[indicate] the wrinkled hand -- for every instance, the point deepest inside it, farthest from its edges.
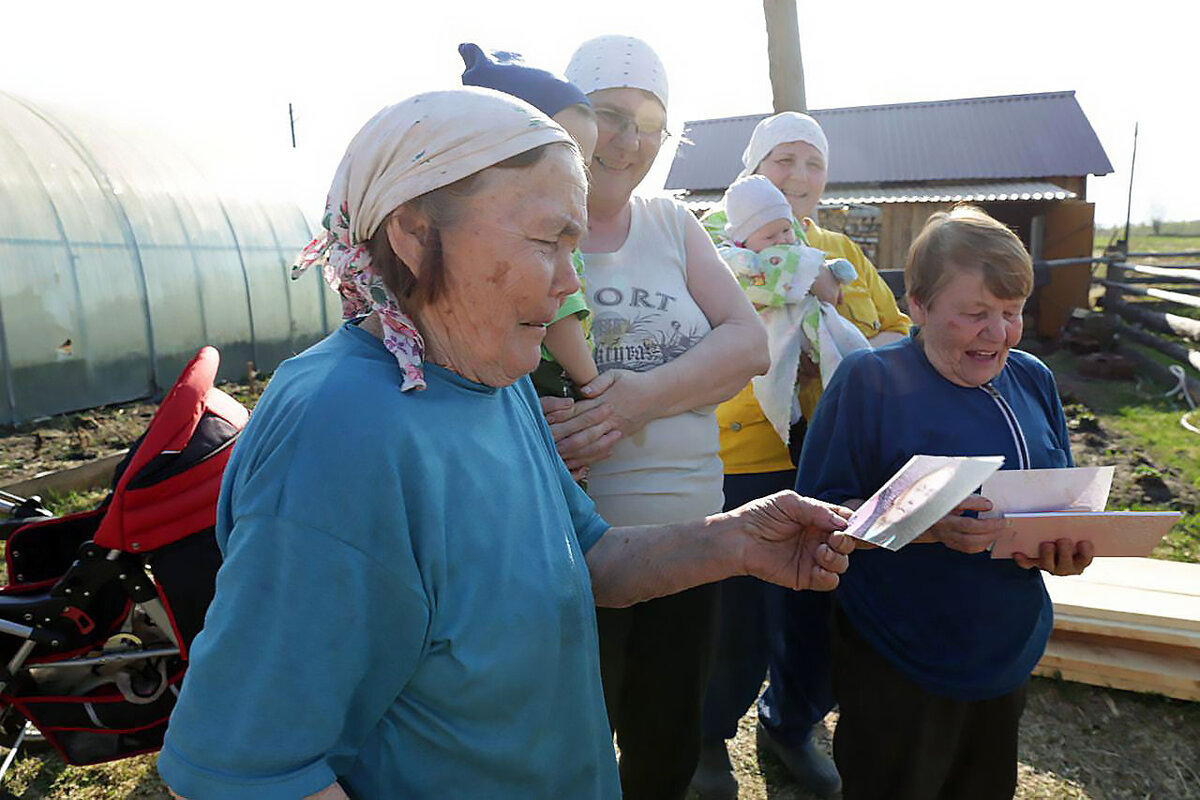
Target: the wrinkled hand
(826, 287)
(629, 394)
(794, 541)
(584, 432)
(1062, 557)
(966, 534)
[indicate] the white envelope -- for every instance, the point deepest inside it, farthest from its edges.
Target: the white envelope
(1018, 491)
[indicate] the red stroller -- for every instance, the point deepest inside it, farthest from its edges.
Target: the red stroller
(101, 606)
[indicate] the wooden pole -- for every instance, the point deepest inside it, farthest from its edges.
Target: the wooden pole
(1175, 351)
(1174, 273)
(1129, 200)
(783, 53)
(1169, 324)
(1157, 294)
(1114, 274)
(92, 475)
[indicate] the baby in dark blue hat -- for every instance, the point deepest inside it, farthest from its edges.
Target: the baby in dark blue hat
(567, 361)
(553, 95)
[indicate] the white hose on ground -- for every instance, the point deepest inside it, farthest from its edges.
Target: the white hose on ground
(1181, 389)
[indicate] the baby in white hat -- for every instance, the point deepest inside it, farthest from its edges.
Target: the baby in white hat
(785, 280)
(759, 217)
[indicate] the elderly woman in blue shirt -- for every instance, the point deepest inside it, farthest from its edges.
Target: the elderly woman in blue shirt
(407, 603)
(933, 644)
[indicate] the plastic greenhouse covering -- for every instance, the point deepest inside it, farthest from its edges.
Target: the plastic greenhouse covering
(118, 260)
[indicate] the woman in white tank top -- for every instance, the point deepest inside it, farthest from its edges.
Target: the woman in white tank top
(674, 336)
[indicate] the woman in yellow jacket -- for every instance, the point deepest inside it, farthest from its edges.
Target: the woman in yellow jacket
(786, 632)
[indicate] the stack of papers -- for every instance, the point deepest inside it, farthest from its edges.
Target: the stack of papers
(1044, 505)
(1041, 505)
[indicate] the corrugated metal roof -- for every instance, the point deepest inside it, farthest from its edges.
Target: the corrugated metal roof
(701, 201)
(1004, 138)
(947, 193)
(999, 191)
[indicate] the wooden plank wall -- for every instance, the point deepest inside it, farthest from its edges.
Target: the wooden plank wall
(901, 224)
(1069, 234)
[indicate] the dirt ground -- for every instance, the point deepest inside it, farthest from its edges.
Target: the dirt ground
(1161, 480)
(1137, 478)
(69, 440)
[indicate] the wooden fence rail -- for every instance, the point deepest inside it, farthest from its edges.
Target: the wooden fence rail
(1176, 274)
(1158, 294)
(1161, 321)
(1145, 325)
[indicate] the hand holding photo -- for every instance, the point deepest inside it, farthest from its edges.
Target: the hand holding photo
(924, 490)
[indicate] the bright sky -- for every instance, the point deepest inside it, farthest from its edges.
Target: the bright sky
(218, 75)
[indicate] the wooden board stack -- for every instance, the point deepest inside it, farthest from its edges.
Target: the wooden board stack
(1127, 623)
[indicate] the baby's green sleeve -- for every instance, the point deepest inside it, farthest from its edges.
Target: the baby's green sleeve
(575, 303)
(714, 225)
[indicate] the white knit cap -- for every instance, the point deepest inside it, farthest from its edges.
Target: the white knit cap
(790, 126)
(752, 202)
(617, 62)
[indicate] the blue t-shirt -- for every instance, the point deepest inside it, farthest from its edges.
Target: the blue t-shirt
(404, 604)
(962, 626)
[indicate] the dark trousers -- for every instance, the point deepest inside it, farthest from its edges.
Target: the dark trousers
(759, 626)
(739, 661)
(654, 660)
(896, 741)
(800, 690)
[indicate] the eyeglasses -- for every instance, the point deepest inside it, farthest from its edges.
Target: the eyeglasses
(616, 122)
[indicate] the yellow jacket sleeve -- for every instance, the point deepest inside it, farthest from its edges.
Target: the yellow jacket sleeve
(867, 301)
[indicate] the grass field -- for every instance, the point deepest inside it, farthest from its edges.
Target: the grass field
(1180, 237)
(1153, 244)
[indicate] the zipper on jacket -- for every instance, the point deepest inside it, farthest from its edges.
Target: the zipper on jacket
(1014, 426)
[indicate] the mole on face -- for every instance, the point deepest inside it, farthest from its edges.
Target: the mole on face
(497, 275)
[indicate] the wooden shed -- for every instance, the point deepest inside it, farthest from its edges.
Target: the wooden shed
(1023, 158)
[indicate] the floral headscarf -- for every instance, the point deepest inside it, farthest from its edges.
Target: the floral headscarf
(418, 145)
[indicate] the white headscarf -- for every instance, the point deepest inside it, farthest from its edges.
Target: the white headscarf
(618, 62)
(406, 150)
(789, 126)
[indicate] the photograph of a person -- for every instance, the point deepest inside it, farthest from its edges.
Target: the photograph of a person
(924, 490)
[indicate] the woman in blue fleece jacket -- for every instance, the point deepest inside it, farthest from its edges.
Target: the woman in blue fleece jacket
(934, 644)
